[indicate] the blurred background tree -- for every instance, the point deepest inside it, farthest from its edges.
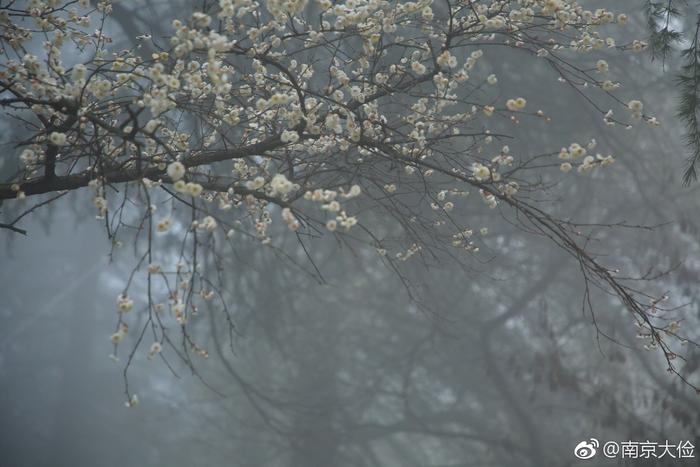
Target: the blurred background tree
(494, 361)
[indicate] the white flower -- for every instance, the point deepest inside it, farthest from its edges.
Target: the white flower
(117, 337)
(609, 86)
(194, 189)
(255, 184)
(57, 139)
(332, 225)
(202, 20)
(151, 126)
(587, 165)
(481, 172)
(164, 225)
(155, 349)
(124, 303)
(289, 219)
(133, 401)
(492, 79)
(497, 22)
(511, 189)
(279, 99)
(638, 45)
(356, 93)
(354, 191)
(176, 170)
(208, 223)
(28, 157)
(565, 167)
(281, 185)
(290, 136)
(602, 66)
(346, 221)
(635, 106)
(333, 206)
(78, 72)
(576, 150)
(605, 160)
(180, 186)
(447, 59)
(333, 122)
(516, 104)
(418, 68)
(207, 294)
(489, 199)
(674, 327)
(653, 121)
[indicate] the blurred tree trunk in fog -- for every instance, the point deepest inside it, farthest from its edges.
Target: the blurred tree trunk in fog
(315, 438)
(511, 397)
(73, 442)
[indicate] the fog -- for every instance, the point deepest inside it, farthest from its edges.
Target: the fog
(324, 354)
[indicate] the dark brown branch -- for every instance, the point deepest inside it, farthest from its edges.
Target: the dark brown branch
(12, 228)
(41, 185)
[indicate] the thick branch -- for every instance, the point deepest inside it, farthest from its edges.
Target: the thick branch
(41, 185)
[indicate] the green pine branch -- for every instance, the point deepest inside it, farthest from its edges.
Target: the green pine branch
(662, 36)
(689, 84)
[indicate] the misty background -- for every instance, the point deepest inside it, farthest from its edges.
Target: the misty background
(492, 363)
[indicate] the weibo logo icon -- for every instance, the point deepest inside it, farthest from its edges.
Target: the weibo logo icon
(586, 449)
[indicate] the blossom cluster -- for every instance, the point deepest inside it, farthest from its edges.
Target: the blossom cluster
(241, 120)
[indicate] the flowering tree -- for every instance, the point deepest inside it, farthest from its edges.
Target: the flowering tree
(376, 122)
